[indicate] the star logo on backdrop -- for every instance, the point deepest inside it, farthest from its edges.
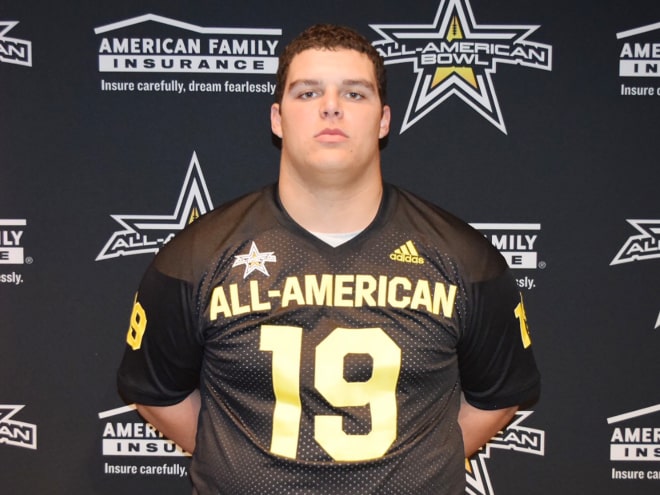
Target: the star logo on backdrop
(16, 433)
(641, 247)
(14, 50)
(148, 233)
(455, 56)
(254, 260)
(515, 437)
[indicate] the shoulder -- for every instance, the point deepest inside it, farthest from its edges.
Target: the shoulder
(198, 243)
(450, 234)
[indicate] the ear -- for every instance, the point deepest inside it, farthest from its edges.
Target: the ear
(385, 122)
(276, 120)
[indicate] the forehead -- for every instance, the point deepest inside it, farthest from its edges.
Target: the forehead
(327, 65)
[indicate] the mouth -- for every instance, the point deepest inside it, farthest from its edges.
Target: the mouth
(331, 133)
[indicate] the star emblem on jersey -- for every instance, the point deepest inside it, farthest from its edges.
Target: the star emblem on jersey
(455, 56)
(254, 260)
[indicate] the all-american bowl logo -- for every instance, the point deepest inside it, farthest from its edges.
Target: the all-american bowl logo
(16, 433)
(515, 437)
(155, 43)
(14, 50)
(640, 247)
(148, 233)
(455, 56)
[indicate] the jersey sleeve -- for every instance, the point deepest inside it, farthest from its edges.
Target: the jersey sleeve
(163, 353)
(496, 361)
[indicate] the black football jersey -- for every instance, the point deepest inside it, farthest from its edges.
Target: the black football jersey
(329, 370)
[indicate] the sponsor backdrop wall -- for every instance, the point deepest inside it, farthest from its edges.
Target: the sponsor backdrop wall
(537, 122)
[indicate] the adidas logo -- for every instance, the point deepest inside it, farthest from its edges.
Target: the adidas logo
(407, 253)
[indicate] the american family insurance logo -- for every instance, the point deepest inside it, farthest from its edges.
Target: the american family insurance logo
(148, 233)
(134, 437)
(635, 444)
(152, 43)
(12, 252)
(14, 50)
(11, 245)
(639, 57)
(455, 56)
(16, 433)
(515, 437)
(131, 446)
(517, 242)
(641, 247)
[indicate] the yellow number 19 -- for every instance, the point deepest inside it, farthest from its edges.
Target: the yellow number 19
(379, 391)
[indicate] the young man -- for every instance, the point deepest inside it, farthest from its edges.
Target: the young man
(330, 334)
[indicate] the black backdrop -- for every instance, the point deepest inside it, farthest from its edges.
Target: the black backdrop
(94, 177)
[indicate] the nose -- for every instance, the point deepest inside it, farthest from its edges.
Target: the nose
(331, 105)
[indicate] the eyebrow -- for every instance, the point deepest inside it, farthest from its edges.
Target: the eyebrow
(346, 82)
(360, 82)
(304, 82)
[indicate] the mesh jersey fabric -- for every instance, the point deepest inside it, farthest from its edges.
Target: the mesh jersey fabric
(329, 370)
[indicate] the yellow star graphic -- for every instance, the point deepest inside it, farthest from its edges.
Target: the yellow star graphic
(455, 32)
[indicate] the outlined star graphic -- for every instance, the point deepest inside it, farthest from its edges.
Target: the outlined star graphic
(9, 428)
(514, 437)
(254, 260)
(14, 50)
(148, 233)
(455, 56)
(644, 246)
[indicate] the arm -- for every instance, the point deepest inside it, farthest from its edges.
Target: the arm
(177, 422)
(496, 361)
(479, 425)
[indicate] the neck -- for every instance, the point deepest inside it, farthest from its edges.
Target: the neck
(331, 207)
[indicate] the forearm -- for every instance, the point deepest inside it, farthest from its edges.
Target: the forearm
(479, 426)
(177, 422)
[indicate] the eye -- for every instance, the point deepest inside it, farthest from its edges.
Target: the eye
(354, 95)
(306, 95)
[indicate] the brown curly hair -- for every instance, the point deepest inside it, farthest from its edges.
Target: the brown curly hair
(330, 37)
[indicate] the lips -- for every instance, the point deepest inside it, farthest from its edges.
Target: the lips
(331, 132)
